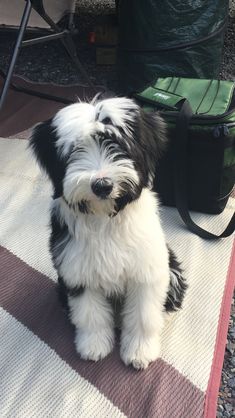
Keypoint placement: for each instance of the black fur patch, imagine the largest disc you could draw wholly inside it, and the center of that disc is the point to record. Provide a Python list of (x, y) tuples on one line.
[(83, 206), (117, 304), (43, 144), (150, 140), (129, 195), (177, 287), (59, 238), (64, 292), (144, 147)]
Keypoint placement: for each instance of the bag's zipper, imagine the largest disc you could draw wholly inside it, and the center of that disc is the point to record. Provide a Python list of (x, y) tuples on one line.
[(199, 119), (225, 126), (218, 131), (222, 130)]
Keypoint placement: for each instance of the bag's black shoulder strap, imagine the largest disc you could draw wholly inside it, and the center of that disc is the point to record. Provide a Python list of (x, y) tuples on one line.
[(181, 175)]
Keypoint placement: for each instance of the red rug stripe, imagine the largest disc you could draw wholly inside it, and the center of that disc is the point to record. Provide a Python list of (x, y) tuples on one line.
[(217, 365)]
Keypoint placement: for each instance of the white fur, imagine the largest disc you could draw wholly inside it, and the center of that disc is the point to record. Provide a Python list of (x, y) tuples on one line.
[(75, 124), (92, 317), (126, 253)]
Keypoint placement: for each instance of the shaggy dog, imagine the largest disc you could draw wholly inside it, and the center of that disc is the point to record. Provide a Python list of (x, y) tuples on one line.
[(106, 238)]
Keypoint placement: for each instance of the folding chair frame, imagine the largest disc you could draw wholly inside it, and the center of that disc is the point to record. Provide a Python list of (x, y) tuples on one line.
[(64, 36)]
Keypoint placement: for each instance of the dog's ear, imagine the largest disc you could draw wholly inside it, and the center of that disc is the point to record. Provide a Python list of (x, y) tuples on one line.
[(152, 138), (43, 144)]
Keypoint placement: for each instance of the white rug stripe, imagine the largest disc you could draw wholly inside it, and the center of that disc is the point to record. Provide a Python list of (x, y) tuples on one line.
[(36, 383), (24, 206)]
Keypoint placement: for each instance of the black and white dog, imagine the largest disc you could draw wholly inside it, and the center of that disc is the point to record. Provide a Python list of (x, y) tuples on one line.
[(106, 238)]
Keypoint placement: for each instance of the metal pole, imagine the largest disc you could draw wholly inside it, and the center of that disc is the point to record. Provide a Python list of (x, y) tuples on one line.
[(16, 50)]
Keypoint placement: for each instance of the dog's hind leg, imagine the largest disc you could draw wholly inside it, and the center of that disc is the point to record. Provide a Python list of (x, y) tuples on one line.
[(92, 316), (177, 285)]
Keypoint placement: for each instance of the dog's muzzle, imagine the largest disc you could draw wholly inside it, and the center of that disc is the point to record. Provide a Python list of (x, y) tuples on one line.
[(102, 187)]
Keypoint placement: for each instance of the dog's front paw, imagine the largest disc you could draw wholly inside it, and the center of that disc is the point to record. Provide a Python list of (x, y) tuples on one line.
[(94, 345), (139, 351)]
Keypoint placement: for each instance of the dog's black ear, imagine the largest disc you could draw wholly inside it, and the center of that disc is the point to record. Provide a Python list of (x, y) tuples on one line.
[(152, 138), (43, 144)]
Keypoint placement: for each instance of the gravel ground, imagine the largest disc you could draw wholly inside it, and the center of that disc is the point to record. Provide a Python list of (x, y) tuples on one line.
[(49, 63)]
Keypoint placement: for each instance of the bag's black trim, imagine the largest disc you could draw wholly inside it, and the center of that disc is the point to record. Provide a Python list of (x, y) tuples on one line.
[(178, 46), (201, 119), (180, 171)]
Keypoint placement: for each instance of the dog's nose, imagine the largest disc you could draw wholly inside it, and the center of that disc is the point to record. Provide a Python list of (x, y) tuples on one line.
[(102, 187)]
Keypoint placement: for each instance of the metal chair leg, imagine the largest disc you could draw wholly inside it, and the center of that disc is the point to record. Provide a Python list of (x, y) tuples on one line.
[(68, 43), (66, 40), (23, 24)]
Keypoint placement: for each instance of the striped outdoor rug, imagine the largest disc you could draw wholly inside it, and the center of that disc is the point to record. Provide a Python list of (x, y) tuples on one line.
[(40, 373)]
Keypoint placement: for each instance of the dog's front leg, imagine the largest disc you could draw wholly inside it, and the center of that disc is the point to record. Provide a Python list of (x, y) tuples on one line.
[(142, 324), (92, 316)]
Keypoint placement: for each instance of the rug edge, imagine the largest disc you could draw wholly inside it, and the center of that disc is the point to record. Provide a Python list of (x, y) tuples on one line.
[(212, 391)]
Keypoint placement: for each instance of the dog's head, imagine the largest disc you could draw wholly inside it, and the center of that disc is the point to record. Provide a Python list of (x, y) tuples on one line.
[(100, 156)]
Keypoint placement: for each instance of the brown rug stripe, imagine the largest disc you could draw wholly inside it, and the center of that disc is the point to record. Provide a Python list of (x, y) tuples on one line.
[(21, 111), (160, 391)]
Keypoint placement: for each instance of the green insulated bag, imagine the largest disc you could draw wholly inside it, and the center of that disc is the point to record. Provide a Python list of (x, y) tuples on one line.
[(197, 172)]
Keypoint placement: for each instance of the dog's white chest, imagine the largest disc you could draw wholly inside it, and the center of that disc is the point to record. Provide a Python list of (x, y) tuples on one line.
[(97, 255), (105, 252)]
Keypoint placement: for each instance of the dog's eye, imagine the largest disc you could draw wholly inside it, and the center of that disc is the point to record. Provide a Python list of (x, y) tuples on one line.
[(106, 121)]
